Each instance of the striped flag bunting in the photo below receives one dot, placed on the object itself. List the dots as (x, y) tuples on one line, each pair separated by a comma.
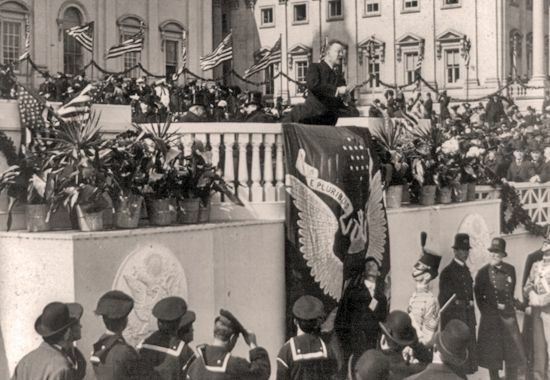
[(271, 57), (27, 51), (77, 108), (84, 35), (222, 53), (132, 44)]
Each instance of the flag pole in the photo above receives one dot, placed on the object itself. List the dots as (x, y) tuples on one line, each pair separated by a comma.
[(93, 50)]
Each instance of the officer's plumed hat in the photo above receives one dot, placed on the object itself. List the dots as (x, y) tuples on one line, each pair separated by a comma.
[(308, 308), (170, 308), (114, 304), (462, 241), (429, 258)]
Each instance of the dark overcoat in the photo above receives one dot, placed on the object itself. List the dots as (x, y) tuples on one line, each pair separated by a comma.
[(499, 338)]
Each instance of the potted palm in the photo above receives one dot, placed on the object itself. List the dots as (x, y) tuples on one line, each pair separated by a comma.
[(127, 162), (75, 155)]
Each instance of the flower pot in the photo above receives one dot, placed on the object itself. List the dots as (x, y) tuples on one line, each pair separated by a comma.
[(406, 196), (445, 195), (89, 221), (159, 212), (188, 212), (471, 193), (36, 216), (128, 211), (394, 196), (460, 193), (427, 195), (204, 212)]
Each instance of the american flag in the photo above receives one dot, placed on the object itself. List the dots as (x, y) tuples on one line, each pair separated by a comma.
[(84, 35), (271, 57), (31, 108), (79, 107), (222, 53), (27, 51), (184, 49), (132, 44)]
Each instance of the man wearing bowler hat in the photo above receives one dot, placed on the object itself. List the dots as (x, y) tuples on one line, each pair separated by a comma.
[(456, 280), (499, 339), (112, 358), (399, 343), (423, 306), (52, 359), (450, 354), (164, 350), (307, 355), (215, 361)]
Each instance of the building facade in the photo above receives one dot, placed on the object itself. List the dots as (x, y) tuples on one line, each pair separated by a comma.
[(467, 47), (168, 26)]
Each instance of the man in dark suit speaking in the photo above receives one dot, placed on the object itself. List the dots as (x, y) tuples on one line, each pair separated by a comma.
[(327, 92)]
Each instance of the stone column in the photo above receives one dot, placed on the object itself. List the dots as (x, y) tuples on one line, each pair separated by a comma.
[(539, 71)]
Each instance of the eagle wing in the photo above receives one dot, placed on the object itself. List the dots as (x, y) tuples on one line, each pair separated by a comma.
[(376, 220), (317, 227)]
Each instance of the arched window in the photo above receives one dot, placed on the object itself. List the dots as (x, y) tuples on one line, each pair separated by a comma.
[(13, 16), (129, 26), (173, 38), (72, 50)]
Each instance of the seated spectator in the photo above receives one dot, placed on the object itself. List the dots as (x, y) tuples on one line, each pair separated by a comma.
[(197, 110), (253, 109), (544, 171), (520, 170)]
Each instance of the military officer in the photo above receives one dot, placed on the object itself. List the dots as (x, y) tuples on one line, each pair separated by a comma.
[(499, 338), (51, 360), (163, 350), (185, 333), (113, 358), (423, 306), (307, 355), (456, 280), (215, 361)]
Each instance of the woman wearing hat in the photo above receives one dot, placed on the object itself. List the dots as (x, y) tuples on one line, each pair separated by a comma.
[(499, 338), (52, 360)]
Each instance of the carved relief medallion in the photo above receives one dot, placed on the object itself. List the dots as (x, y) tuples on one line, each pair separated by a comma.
[(148, 275)]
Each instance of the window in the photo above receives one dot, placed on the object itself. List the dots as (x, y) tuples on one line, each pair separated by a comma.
[(225, 24), (130, 59), (11, 41), (301, 70), (266, 15), (411, 5), (171, 56), (451, 4), (335, 9), (269, 80), (300, 13), (410, 67), (128, 27), (373, 68), (452, 63), (72, 50), (372, 8)]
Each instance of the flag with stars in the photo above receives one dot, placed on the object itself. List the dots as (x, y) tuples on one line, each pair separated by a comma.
[(336, 219), (31, 108)]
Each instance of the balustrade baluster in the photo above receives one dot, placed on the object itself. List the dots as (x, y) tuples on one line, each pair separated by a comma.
[(242, 174), (269, 189), (215, 139), (279, 170), (229, 166), (256, 191)]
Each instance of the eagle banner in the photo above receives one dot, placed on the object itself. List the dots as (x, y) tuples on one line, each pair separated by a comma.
[(336, 219)]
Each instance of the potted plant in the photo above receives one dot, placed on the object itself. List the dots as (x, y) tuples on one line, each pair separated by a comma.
[(161, 154), (75, 156), (448, 170), (472, 168), (127, 164), (390, 150)]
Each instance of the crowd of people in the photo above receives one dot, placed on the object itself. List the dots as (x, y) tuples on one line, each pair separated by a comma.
[(437, 337)]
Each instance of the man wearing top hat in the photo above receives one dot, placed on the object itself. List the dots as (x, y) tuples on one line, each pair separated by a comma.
[(307, 355), (536, 292), (197, 111), (399, 344), (164, 351), (423, 306), (52, 360), (215, 361), (456, 280), (253, 109), (112, 358), (499, 339), (450, 354)]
